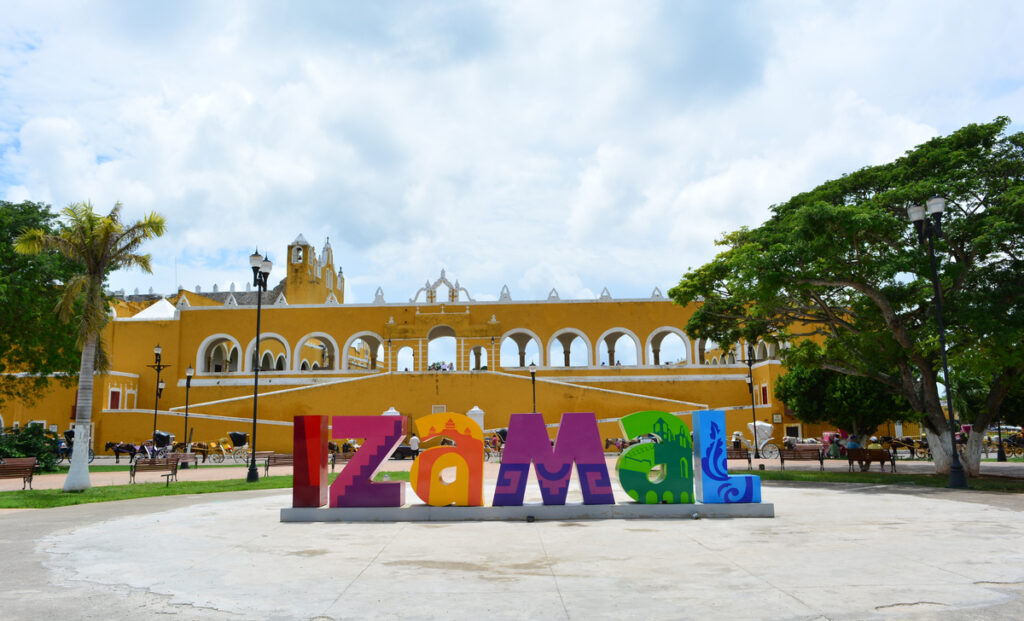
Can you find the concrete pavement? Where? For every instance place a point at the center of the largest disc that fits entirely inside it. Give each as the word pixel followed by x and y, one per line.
pixel 833 552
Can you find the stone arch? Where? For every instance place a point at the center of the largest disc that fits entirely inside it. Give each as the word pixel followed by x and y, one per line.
pixel 612 336
pixel 565 337
pixel 228 342
pixel 328 346
pixel 761 351
pixel 443 331
pixel 405 359
pixel 266 336
pixel 373 343
pixel 478 360
pixel 521 337
pixel 655 339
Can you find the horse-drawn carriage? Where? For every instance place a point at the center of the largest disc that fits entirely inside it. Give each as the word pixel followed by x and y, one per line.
pixel 236 445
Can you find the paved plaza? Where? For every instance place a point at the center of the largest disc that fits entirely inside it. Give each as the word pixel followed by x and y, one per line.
pixel 833 551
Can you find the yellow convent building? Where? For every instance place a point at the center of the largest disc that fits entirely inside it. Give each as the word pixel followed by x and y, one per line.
pixel 319 355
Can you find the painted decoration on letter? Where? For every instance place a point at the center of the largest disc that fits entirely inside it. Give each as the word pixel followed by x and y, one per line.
pixel 715 484
pixel 578 442
pixel 309 442
pixel 674 453
pixel 467 457
pixel 354 486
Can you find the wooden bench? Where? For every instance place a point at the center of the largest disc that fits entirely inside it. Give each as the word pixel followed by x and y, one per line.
pixel 864 457
pixel 184 459
pixel 18 468
pixel 731 453
pixel 342 457
pixel 278 459
pixel 802 453
pixel 169 464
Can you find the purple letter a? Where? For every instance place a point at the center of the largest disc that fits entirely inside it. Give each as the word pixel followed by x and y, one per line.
pixel 578 441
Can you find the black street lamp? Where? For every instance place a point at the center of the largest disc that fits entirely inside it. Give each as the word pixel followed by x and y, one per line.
pixel 189 372
pixel 159 385
pixel 1000 454
pixel 533 384
pixel 260 270
pixel 929 229
pixel 750 387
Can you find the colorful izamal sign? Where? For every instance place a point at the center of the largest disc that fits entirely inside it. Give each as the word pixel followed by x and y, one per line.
pixel 673 470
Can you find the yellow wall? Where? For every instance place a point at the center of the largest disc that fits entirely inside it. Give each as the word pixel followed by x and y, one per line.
pixel 358 381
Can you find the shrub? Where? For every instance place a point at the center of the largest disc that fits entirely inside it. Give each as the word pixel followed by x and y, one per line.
pixel 30 441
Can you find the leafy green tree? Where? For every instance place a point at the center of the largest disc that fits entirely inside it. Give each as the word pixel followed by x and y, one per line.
pixel 35 347
pixel 853 403
pixel 99 244
pixel 30 441
pixel 841 265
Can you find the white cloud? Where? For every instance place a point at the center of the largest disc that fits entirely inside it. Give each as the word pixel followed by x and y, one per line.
pixel 532 144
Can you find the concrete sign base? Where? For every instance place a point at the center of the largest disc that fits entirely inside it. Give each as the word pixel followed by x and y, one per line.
pixel 568 511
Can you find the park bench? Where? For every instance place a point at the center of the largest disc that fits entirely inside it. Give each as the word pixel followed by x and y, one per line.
pixel 342 457
pixel 810 452
pixel 18 468
pixel 278 459
pixel 864 457
pixel 186 458
pixel 168 464
pixel 731 453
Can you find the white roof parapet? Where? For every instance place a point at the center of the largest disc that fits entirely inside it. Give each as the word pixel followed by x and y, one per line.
pixel 553 295
pixel 378 296
pixel 231 301
pixel 605 295
pixel 504 296
pixel 281 301
pixel 442 280
pixel 656 294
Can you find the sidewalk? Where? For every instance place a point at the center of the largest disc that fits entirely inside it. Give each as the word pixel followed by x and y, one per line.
pixel 214 472
pixel 836 551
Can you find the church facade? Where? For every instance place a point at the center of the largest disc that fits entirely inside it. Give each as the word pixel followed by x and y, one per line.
pixel 319 355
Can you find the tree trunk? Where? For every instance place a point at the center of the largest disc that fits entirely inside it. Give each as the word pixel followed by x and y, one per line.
pixel 78 475
pixel 972 454
pixel 939 445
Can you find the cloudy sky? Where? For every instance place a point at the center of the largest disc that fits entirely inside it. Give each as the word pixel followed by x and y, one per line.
pixel 575 145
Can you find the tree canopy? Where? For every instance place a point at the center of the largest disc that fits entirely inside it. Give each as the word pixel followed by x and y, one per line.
pixel 98 245
pixel 35 347
pixel 853 403
pixel 842 266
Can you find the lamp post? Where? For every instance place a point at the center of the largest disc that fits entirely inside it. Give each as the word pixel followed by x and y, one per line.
pixel 533 384
pixel 159 385
pixel 260 270
pixel 930 229
pixel 1000 454
pixel 189 372
pixel 750 387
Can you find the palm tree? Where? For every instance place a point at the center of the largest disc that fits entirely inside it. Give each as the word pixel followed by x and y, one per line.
pixel 101 244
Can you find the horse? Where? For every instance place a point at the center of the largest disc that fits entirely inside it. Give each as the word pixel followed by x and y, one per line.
pixel 122 447
pixel 199 448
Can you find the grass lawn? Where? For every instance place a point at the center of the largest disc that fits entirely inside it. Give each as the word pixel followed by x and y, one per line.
pixel 47 498
pixel 983 483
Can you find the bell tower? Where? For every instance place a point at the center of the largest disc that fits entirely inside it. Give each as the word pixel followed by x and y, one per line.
pixel 311 279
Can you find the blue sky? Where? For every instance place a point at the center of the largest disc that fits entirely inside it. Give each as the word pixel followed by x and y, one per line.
pixel 570 145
